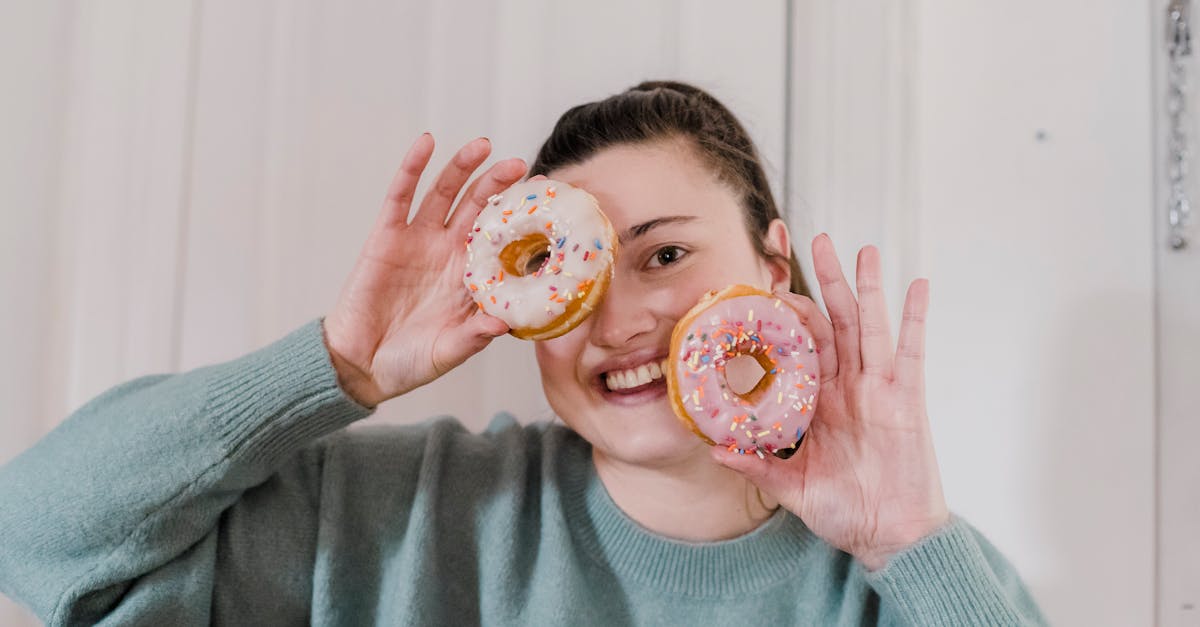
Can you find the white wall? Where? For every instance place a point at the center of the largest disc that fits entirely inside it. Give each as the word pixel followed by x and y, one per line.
pixel 917 128
pixel 188 181
pixel 1045 412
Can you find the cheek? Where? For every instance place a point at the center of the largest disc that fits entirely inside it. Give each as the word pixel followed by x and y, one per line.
pixel 676 297
pixel 557 360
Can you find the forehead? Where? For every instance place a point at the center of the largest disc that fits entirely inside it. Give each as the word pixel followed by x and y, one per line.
pixel 637 183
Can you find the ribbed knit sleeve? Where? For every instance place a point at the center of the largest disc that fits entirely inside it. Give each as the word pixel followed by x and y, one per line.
pixel 115 513
pixel 953 577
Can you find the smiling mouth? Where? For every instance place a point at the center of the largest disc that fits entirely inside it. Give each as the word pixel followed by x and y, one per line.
pixel 633 379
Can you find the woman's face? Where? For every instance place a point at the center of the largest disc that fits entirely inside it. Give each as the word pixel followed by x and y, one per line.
pixel 681 234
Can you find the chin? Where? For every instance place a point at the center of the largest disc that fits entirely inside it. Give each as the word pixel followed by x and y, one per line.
pixel 652 437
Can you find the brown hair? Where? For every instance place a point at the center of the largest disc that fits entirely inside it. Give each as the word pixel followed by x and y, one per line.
pixel 664 110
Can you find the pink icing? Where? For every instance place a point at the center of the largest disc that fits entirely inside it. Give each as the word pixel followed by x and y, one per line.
pixel 759 326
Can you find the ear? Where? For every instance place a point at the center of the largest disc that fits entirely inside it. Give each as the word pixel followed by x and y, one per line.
pixel 779 246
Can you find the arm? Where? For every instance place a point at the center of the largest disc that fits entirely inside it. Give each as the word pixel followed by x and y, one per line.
pixel 165 491
pixel 952 577
pixel 116 512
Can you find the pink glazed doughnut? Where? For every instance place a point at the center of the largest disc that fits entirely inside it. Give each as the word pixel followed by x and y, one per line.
pixel 742 320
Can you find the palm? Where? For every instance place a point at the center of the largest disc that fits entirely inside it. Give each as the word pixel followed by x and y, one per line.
pixel 404 317
pixel 856 487
pixel 414 281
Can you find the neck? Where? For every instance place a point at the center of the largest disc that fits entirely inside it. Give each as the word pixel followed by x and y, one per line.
pixel 694 500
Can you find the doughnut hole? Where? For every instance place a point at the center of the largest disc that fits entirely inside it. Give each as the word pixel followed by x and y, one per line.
pixel 746 375
pixel 526 256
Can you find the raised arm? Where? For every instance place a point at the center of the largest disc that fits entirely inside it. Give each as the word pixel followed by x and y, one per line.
pixel 126 511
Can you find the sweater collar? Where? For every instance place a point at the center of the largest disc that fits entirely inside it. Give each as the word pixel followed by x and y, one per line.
pixel 763 557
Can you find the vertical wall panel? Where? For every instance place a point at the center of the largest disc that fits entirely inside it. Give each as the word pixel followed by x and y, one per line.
pixel 34 48
pixel 125 136
pixel 223 261
pixel 1034 179
pixel 852 137
pixel 1003 151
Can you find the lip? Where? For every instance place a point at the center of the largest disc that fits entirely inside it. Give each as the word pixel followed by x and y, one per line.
pixel 649 392
pixel 628 360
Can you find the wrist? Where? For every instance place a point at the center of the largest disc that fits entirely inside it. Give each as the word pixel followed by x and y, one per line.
pixel 876 557
pixel 354 381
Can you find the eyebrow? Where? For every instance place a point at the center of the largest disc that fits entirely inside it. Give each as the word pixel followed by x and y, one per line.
pixel 639 230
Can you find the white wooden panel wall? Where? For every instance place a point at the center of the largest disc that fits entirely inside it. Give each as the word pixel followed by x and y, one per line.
pixel 121 197
pixel 33 61
pixel 917 128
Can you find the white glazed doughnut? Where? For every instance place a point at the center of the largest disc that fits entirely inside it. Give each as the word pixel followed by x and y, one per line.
pixel 540 256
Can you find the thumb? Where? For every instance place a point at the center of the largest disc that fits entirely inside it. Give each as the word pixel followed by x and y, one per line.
pixel 470 337
pixel 770 474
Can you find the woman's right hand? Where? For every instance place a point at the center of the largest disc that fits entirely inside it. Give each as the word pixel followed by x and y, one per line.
pixel 404 317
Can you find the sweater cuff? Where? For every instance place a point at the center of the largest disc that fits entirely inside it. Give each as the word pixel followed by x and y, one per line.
pixel 944 580
pixel 271 402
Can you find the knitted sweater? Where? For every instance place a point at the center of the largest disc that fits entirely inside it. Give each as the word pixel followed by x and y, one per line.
pixel 231 494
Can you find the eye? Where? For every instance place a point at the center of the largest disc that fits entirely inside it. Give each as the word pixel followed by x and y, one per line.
pixel 666 256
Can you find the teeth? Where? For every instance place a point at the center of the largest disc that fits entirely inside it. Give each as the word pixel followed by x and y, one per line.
pixel 633 377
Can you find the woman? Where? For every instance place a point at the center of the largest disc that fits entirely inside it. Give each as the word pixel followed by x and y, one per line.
pixel 211 495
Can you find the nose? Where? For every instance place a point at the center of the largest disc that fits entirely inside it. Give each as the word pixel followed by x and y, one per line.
pixel 623 314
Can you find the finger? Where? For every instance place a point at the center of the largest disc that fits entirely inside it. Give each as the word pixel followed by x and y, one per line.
pixel 464 340
pixel 875 338
pixel 821 329
pixel 910 351
pixel 437 202
pixel 404 184
pixel 770 474
pixel 495 180
pixel 839 301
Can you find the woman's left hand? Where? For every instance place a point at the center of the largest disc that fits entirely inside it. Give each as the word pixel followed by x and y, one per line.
pixel 865 478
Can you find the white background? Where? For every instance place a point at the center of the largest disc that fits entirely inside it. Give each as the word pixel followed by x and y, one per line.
pixel 183 182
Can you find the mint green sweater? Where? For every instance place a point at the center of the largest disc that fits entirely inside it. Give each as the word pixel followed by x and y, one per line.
pixel 224 495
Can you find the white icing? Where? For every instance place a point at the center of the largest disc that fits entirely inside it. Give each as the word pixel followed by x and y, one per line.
pixel 570 218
